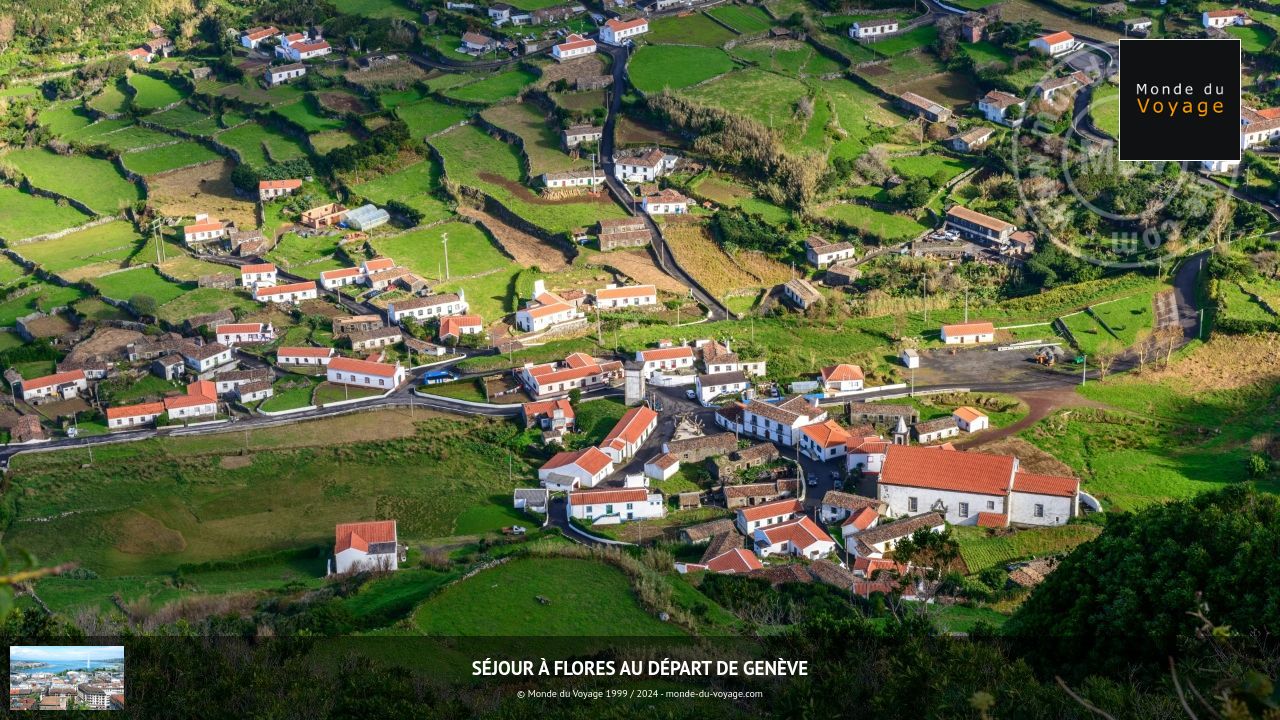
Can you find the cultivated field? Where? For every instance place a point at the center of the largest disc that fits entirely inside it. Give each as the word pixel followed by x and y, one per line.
pixel 96 183
pixel 429 116
pixel 541 140
pixel 167 157
pixel 306 115
pixel 745 19
pixel 260 145
pixel 129 137
pixel 887 227
pixel 186 118
pixel 152 93
pixel 493 88
pixel 724 191
pixel 85 253
pixel 695 29
pixel 774 104
pixel 672 67
pixel 416 185
pixel 789 57
pixel 201 189
pixel 720 273
pixel 471 252
pixel 142 280
pixel 23 215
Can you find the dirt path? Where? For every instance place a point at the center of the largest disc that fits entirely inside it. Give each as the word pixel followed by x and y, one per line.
pixel 527 250
pixel 639 266
pixel 1041 404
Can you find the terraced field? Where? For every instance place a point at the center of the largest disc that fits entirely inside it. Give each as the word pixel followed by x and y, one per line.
pixel 96 183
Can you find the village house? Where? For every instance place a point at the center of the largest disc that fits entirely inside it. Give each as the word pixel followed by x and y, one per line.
pixel 780 422
pixel 969 488
pixel 455 327
pixel 696 449
pixel 839 506
pixel 1257 127
pixel 623 232
pixel 574 46
pixel 205 230
pixel 664 359
pixel 253 36
pixel 534 500
pixel 645 167
pixel 665 202
pixel 247 243
pixel 924 107
pixel 1138 26
pixel 749 519
pixel 169 367
pixel 58 386
pixel 841 276
pixel 334 279
pixel 383 279
pixel 614 297
pixel 995 107
pixel 322 216
pixel 280 74
pixel 225 383
pixel 421 308
pixel 801 293
pixel 140 55
pixel 971 139
pixel 611 506
pixel 364 373
pixel 375 338
pixel 573 178
pixel 968 333
pixel 1224 18
pixel 298 47
pixel 718 357
pixel 619 32
pixel 732 561
pixel 254 391
pixel 800 537
pixel 710 386
pixel 977 226
pixel 824 441
pixel 873 29
pixel 629 434
pixel 875 541
pixel 366 547
pixel 291 293
pixel 127 416
pixel 842 378
pixel 354 323
pixel 935 430
pixel 576 135
pixel 201 400
pixel 549 415
pixel 272 189
pixel 201 359
pixel 662 466
pixel 242 333
pixel 258 275
pixel 545 310
pixel 1048 89
pixel 864 450
pixel 579 371
pixel 734 465
pixel 572 470
pixel 304 356
pixel 474 43
pixel 1055 44
pixel 499 13
pixel 754 494
pixel 821 253
pixel 971 419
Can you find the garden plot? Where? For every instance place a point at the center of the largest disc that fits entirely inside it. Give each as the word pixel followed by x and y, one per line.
pixel 541 139
pixel 187 119
pixel 142 280
pixel 94 182
pixel 722 274
pixel 84 253
pixel 430 116
pixel 672 67
pixel 746 19
pixel 24 216
pixel 111 100
pixel 45 298
pixel 201 189
pixel 697 29
pixel 129 137
pixel 167 157
pixel 493 88
pixel 471 252
pixel 326 142
pixel 886 227
pixel 1025 10
pixel 949 88
pixel 259 145
pixel 580 102
pixel 306 115
pixel 416 185
pixel 65 119
pixel 151 93
pixel 726 192
pixel 307 256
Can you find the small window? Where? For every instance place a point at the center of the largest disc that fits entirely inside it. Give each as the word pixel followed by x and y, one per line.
pixel 964 510
pixel 911 504
pixel 1039 510
pixel 991 504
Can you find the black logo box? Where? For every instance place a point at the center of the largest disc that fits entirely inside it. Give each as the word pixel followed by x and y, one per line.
pixel 1179 137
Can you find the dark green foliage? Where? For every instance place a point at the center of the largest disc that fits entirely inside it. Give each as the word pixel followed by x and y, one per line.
pixel 738 230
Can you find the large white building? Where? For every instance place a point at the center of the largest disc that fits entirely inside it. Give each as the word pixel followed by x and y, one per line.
pixel 872 29
pixel 995 107
pixel 364 373
pixel 968 333
pixel 969 488
pixel 258 275
pixel 421 308
pixel 606 506
pixel 366 546
pixel 63 385
pixel 749 519
pixel 712 385
pixel 243 333
pixel 631 432
pixel 203 358
pixel 614 297
pixel 800 537
pixel 644 168
pixel 665 202
pixel 572 470
pixel 1224 18
pixel 620 32
pixel 824 441
pixel 253 36
pixel 291 293
pixel 780 422
pixel 574 46
pixel 578 371
pixel 314 356
pixel 1055 44
pixel 654 360
pixel 842 378
pixel 546 310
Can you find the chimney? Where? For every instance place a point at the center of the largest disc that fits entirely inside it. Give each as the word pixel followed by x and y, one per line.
pixel 201 217
pixel 539 287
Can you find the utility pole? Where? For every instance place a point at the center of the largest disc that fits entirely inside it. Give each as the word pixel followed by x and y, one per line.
pixel 966 305
pixel 1200 326
pixel 444 240
pixel 1084 369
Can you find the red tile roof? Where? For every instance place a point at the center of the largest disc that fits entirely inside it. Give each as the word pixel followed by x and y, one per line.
pixel 304 352
pixel 632 425
pixel 1061 36
pixel 124 411
pixel 453 324
pixel 968 414
pixel 593 460
pixel 973 328
pixel 938 469
pixel 602 497
pixel 545 407
pixel 734 561
pixel 672 353
pixel 773 509
pixel 801 532
pixel 826 434
pixel 360 535
pixel 279 184
pixel 978 218
pixel 626 291
pixel 284 289
pixel 54 379
pixel 258 268
pixel 1026 482
pixel 341 273
pixel 617 25
pixel 861 519
pixel 364 367
pixel 203 227
pixel 575 42
pixel 379 263
pixel 239 328
pixel 841 373
pixel 992 520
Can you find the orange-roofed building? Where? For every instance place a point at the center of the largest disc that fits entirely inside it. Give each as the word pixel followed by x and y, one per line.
pixel 971 419
pixel 365 546
pixel 614 297
pixel 127 416
pixel 736 560
pixel 800 537
pixel 571 470
pixel 824 441
pixel 58 386
pixel 968 333
pixel 636 425
pixel 455 326
pixel 841 378
pixel 364 373
pixel 1055 44
pixel 271 189
pixel 664 359
pixel 748 519
pixel 616 505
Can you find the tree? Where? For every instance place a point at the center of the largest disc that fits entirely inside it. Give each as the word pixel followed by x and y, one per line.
pixel 143 304
pixel 929 556
pixel 575 397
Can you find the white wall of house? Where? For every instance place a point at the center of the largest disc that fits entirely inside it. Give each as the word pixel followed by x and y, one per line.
pixel 1033 509
pixel 961 508
pixel 356 560
pixel 131 421
pixel 653 507
pixel 869 462
pixel 365 379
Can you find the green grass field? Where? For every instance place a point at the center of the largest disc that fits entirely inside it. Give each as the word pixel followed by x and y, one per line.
pixel 96 183
pixel 903 42
pixel 167 157
pixel 306 115
pixel 1105 109
pixel 743 18
pixel 130 137
pixel 541 139
pixel 493 88
pixel 1127 318
pixel 882 225
pixel 200 301
pixel 392 99
pixel 65 118
pixel 470 250
pixel 152 93
pixel 857 112
pixel 111 100
pixel 773 103
pixel 378 9
pixel 655 67
pixel 23 215
pixel 186 118
pixel 928 165
pixel 504 601
pixel 981 549
pixel 143 280
pixel 724 191
pixel 296 252
pixel 415 185
pixel 690 30
pixel 110 245
pixel 45 299
pixel 430 116
pixel 1253 38
pixel 789 57
pixel 325 142
pixel 260 145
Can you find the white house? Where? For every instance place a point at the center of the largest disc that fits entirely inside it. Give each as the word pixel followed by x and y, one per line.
pixel 272 189
pixel 253 36
pixel 614 297
pixel 365 373
pixel 969 488
pixel 934 430
pixel 313 356
pixel 573 178
pixel 579 371
pixel 278 74
pixel 662 466
pixel 864 453
pixel 258 275
pixel 456 326
pixel 366 546
pixel 1257 127
pixel 995 106
pixel 971 419
pixel 239 333
pixel 631 431
pixel 334 279
pixel 291 293
pixel 710 387
pixel 668 358
pixel 1220 166
pixel 608 506
pixel 499 13
pixel 910 358
pixel 644 168
pixel 841 378
pixel 63 385
pixel 206 230
pixel 201 400
pixel 574 46
pixel 298 47
pixel 1055 44
pixel 801 293
pixel 545 310
pixel 1224 18
pixel 800 537
pixel 127 416
pixel 749 519
pixel 821 253
pixel 421 308
pixel 875 541
pixel 824 441
pixel 254 391
pixel 968 333
pixel 838 506
pixel 619 32
pixel 872 29
pixel 203 358
pixel 665 202
pixel 780 422
pixel 718 357
pixel 572 470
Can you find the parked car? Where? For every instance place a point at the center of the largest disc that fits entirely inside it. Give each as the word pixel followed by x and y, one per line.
pixel 691 394
pixel 813 481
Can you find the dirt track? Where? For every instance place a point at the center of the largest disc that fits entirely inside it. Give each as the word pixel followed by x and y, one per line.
pixel 527 250
pixel 1041 404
